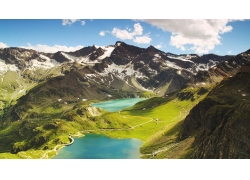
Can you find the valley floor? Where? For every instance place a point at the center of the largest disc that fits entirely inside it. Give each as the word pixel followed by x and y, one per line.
pixel 155 121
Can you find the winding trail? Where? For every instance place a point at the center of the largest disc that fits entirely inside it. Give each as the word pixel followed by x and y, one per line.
pixel 71 141
pixel 118 129
pixel 46 156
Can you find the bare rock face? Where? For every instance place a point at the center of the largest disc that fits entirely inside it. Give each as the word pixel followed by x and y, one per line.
pixel 220 123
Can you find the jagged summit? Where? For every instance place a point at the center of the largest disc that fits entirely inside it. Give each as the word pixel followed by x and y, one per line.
pixel 151 47
pixel 119 43
pixel 143 69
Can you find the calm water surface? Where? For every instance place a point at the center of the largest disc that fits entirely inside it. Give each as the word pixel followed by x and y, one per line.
pixel 96 146
pixel 118 104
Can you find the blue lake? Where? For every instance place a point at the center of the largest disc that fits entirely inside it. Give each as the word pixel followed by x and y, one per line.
pixel 118 104
pixel 96 146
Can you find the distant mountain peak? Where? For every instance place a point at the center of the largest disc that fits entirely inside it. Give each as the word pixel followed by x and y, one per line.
pixel 119 43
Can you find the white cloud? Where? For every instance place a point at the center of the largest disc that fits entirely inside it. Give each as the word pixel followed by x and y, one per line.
pixel 229 52
pixel 138 29
pixel 142 39
pixel 122 34
pixel 127 34
pixel 83 23
pixel 66 22
pixel 102 33
pixel 182 48
pixel 2 45
pixel 52 49
pixel 159 46
pixel 204 35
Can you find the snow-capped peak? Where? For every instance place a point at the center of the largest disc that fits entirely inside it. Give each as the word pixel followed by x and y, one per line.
pixel 107 53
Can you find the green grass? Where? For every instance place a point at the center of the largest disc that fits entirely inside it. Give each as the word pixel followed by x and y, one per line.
pixel 148 94
pixel 31 154
pixel 154 121
pixel 168 112
pixel 9 156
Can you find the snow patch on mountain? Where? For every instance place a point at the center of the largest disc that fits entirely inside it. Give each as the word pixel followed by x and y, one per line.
pixel 46 64
pixel 171 65
pixel 150 70
pixel 80 60
pixel 142 62
pixel 156 58
pixel 120 70
pixel 107 53
pixel 182 58
pixel 7 67
pixel 212 63
pixel 44 57
pixel 71 58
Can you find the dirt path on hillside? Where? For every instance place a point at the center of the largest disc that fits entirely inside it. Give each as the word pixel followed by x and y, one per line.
pixel 118 129
pixel 46 156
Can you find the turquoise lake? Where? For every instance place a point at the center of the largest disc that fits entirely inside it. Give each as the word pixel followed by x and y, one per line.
pixel 118 104
pixel 96 146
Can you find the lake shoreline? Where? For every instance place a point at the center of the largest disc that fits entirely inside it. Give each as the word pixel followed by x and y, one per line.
pixel 100 146
pixel 61 146
pixel 114 106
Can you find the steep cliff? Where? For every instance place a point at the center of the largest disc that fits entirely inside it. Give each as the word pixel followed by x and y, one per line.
pixel 220 123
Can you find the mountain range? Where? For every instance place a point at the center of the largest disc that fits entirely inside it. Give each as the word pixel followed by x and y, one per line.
pixel 31 83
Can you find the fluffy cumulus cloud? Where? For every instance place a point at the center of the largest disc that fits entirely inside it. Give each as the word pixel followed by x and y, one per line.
pixel 52 49
pixel 102 33
pixel 2 45
pixel 202 35
pixel 136 35
pixel 142 39
pixel 229 52
pixel 122 34
pixel 138 29
pixel 66 22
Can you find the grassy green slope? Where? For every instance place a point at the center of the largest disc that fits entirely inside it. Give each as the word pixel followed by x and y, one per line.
pixel 45 128
pixel 15 84
pixel 157 121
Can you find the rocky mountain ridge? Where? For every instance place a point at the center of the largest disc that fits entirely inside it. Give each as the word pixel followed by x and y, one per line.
pixel 100 72
pixel 138 67
pixel 220 123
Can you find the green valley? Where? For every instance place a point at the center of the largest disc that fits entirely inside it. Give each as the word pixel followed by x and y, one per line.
pixel 46 127
pixel 45 98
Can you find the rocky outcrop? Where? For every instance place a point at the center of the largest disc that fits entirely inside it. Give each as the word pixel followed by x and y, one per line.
pixel 220 123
